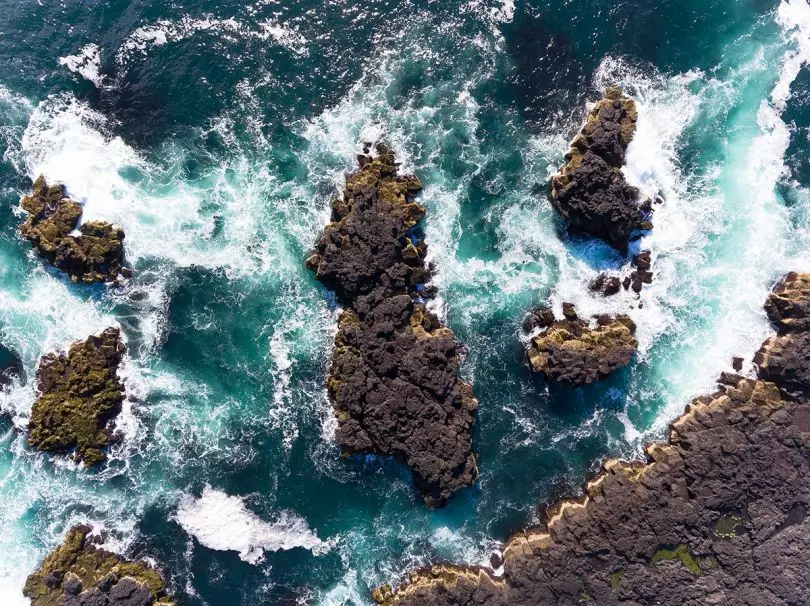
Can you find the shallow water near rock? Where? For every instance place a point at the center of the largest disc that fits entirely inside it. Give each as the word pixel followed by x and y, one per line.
pixel 216 133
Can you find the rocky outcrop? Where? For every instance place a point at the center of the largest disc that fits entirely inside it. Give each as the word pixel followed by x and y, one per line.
pixel 573 352
pixel 79 394
pixel 717 515
pixel 785 358
pixel 95 255
pixel 608 284
pixel 394 380
pixel 78 573
pixel 590 190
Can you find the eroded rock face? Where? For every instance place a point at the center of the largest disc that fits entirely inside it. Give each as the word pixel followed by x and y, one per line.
pixel 718 515
pixel 590 190
pixel 78 573
pixel 96 255
pixel 394 377
pixel 571 351
pixel 79 394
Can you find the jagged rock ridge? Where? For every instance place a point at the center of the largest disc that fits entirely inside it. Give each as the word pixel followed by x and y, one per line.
pixel 570 351
pixel 79 394
pixel 95 255
pixel 715 516
pixel 78 573
pixel 590 190
pixel 394 380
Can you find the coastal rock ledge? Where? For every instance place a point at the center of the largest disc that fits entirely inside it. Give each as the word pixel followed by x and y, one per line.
pixel 79 394
pixel 78 573
pixel 95 255
pixel 590 190
pixel 394 380
pixel 718 515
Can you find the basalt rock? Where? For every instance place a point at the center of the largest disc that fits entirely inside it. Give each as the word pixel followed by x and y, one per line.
pixel 571 351
pixel 78 573
pixel 606 284
pixel 717 515
pixel 79 394
pixel 394 380
pixel 95 255
pixel 590 190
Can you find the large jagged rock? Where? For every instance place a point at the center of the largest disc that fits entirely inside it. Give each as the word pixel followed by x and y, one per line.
pixel 78 573
pixel 590 190
pixel 572 352
pixel 394 380
pixel 718 515
pixel 79 394
pixel 785 358
pixel 95 255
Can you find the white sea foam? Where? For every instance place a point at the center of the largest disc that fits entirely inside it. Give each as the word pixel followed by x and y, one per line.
pixel 86 63
pixel 224 523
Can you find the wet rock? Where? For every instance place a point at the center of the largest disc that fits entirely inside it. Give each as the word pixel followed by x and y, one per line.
pixel 95 255
pixel 788 306
pixel 539 318
pixel 606 284
pixel 570 351
pixel 717 515
pixel 78 573
pixel 79 394
pixel 394 380
pixel 737 363
pixel 590 190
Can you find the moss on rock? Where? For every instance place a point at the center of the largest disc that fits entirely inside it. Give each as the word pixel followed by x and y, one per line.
pixel 80 393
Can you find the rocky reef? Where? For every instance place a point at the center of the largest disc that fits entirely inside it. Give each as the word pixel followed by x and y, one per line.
pixel 78 573
pixel 95 255
pixel 717 515
pixel 570 351
pixel 79 394
pixel 394 380
pixel 590 190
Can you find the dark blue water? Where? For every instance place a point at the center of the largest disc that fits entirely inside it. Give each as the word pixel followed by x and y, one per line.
pixel 215 133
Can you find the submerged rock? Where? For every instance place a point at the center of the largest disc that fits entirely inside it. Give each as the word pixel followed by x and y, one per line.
pixel 95 255
pixel 590 190
pixel 394 380
pixel 572 352
pixel 79 394
pixel 78 573
pixel 606 284
pixel 718 515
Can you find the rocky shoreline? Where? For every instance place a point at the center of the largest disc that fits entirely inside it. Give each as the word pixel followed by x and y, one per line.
pixel 77 573
pixel 717 515
pixel 79 395
pixel 95 255
pixel 394 379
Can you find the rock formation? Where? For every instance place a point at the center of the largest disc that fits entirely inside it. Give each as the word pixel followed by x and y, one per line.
pixel 78 573
pixel 590 190
pixel 394 379
pixel 79 394
pixel 95 255
pixel 570 351
pixel 718 515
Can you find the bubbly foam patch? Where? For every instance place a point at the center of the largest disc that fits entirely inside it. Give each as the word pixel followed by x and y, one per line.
pixel 86 63
pixel 224 523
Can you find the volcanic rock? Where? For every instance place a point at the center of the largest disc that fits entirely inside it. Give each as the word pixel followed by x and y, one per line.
pixel 570 351
pixel 718 515
pixel 78 573
pixel 79 394
pixel 590 190
pixel 606 284
pixel 394 380
pixel 96 255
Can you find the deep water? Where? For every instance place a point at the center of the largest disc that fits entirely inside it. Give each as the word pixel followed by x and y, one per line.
pixel 216 133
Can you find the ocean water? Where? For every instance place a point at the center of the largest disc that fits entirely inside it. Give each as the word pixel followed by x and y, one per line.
pixel 216 133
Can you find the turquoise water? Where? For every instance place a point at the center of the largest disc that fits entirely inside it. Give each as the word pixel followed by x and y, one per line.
pixel 215 134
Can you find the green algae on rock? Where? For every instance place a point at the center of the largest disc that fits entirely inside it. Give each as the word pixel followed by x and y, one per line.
pixel 78 573
pixel 96 255
pixel 79 394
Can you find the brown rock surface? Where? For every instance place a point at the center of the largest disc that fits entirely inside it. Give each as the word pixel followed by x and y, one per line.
pixel 717 515
pixel 572 352
pixel 394 380
pixel 590 190
pixel 96 255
